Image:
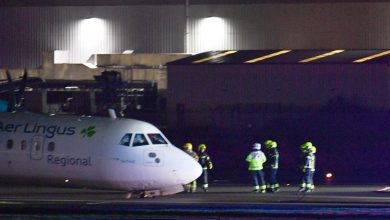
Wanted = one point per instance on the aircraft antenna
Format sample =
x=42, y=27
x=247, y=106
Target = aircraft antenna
x=112, y=113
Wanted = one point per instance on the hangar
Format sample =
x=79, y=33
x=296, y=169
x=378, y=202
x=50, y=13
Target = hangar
x=236, y=88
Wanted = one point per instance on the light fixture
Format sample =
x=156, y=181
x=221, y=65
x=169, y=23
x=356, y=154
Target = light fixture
x=267, y=56
x=212, y=33
x=215, y=56
x=372, y=57
x=321, y=56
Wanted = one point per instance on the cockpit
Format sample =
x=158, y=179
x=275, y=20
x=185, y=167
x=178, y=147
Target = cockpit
x=138, y=139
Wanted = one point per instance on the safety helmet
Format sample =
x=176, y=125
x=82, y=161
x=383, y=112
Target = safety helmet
x=312, y=149
x=306, y=146
x=187, y=146
x=270, y=144
x=202, y=147
x=256, y=146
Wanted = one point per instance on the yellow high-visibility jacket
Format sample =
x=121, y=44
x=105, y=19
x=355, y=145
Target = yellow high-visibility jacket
x=255, y=160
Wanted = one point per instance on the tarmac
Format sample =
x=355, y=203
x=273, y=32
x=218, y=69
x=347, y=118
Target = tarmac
x=220, y=202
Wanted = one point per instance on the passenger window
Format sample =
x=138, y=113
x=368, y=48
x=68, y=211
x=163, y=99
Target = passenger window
x=10, y=144
x=125, y=141
x=139, y=140
x=51, y=146
x=36, y=146
x=23, y=145
x=157, y=139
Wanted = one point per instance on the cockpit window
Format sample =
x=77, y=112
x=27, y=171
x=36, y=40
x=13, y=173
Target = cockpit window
x=139, y=140
x=157, y=139
x=125, y=141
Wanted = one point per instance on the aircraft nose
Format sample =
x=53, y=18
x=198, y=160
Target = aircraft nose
x=193, y=170
x=190, y=169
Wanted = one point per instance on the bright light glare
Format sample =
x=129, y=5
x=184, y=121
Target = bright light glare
x=92, y=33
x=329, y=175
x=212, y=33
x=92, y=39
x=92, y=27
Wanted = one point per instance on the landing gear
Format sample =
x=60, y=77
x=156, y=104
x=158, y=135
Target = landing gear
x=128, y=195
x=141, y=194
x=149, y=194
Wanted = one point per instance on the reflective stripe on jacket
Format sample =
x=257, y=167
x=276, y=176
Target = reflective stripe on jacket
x=205, y=160
x=273, y=159
x=256, y=160
x=310, y=160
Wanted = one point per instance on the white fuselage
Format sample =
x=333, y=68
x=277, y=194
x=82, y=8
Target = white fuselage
x=91, y=152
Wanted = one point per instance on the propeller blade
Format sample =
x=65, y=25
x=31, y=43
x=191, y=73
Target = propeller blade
x=11, y=92
x=22, y=88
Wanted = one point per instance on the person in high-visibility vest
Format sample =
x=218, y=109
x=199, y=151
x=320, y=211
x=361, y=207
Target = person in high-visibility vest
x=190, y=187
x=308, y=167
x=205, y=162
x=271, y=166
x=255, y=160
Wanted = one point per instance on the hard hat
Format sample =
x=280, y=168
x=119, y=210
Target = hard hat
x=256, y=146
x=306, y=145
x=187, y=146
x=312, y=149
x=270, y=144
x=202, y=147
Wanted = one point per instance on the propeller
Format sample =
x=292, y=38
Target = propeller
x=16, y=97
x=22, y=89
x=11, y=92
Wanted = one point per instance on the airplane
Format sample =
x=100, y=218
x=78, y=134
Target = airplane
x=92, y=152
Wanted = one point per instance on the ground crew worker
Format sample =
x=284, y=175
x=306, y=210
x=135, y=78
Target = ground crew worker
x=205, y=162
x=255, y=161
x=272, y=165
x=190, y=187
x=308, y=168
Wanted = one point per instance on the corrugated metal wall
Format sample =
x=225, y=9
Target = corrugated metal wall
x=27, y=31
x=294, y=26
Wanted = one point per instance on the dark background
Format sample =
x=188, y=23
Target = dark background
x=352, y=143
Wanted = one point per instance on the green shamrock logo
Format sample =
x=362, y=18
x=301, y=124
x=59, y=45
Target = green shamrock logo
x=89, y=132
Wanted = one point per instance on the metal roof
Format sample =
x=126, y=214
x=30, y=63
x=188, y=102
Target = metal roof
x=33, y=3
x=287, y=57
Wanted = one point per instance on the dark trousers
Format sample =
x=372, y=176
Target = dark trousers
x=307, y=180
x=258, y=179
x=205, y=179
x=271, y=178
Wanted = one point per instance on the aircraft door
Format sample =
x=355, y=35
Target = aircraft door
x=37, y=144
